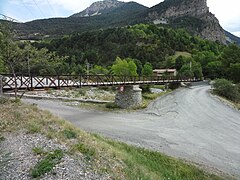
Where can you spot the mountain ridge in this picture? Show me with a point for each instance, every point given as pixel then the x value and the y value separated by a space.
pixel 171 10
pixel 192 15
pixel 99 7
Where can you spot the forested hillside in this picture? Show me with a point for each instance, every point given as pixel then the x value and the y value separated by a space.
pixel 143 44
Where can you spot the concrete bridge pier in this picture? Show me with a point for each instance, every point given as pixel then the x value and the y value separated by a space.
pixel 128 96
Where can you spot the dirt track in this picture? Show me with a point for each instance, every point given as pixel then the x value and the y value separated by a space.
pixel 188 123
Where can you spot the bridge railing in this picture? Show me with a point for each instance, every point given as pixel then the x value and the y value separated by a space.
pixel 57 81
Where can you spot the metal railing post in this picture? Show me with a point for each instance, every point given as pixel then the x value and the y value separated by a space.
pixel 80 81
pixel 31 88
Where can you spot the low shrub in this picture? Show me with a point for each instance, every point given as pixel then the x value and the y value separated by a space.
pixel 227 89
pixel 174 85
pixel 145 88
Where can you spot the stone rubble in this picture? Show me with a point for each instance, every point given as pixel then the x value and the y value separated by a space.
pixel 21 159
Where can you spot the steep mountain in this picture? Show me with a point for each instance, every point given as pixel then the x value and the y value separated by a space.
pixel 126 14
pixel 99 8
pixel 232 38
pixel 193 15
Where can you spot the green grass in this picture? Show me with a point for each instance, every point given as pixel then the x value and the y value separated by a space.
pixel 69 133
pixel 146 164
pixel 112 105
pixel 84 149
pixel 47 164
pixel 38 150
pixel 33 127
pixel 181 53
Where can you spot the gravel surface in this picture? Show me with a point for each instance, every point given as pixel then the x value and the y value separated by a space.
pixel 189 123
pixel 17 149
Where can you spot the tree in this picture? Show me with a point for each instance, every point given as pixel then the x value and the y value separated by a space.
pixel 139 66
pixel 147 69
pixel 99 70
pixel 10 52
pixel 197 69
pixel 132 67
pixel 180 61
pixel 215 69
pixel 125 67
pixel 234 72
pixel 185 72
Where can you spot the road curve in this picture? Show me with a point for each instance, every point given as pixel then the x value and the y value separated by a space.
pixel 189 123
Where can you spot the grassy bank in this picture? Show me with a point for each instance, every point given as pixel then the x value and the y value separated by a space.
pixel 120 160
pixel 229 92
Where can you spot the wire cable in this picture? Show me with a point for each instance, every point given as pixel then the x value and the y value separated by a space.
pixel 28 9
pixel 51 7
pixel 39 8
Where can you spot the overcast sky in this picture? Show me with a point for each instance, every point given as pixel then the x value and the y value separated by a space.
pixel 227 11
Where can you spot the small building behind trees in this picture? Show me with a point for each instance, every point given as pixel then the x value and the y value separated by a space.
pixel 164 72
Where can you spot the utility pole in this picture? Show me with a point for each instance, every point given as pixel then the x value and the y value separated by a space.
pixel 88 65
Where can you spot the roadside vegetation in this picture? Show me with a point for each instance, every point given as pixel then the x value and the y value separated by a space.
pixel 118 159
pixel 228 90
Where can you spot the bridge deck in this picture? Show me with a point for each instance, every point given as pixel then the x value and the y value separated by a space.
pixel 43 82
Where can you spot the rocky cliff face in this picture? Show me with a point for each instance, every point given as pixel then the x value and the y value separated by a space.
pixel 99 7
pixel 185 13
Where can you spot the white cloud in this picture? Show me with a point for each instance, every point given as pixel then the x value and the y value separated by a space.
pixel 227 12
pixel 148 3
pixel 71 5
pixel 236 33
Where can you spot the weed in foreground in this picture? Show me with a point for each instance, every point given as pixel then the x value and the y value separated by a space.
pixel 47 164
pixel 38 150
pixel 88 152
pixel 33 127
pixel 69 134
pixel 2 138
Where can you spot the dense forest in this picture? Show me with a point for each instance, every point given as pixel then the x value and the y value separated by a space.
pixel 143 45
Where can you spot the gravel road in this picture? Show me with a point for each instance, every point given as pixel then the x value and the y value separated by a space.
pixel 189 123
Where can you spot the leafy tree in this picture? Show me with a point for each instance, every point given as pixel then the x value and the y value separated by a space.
pixel 180 61
pixel 139 66
pixel 231 55
pixel 132 67
pixel 234 72
pixel 185 72
pixel 215 69
pixel 197 69
pixel 124 67
pixel 99 70
pixel 147 69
